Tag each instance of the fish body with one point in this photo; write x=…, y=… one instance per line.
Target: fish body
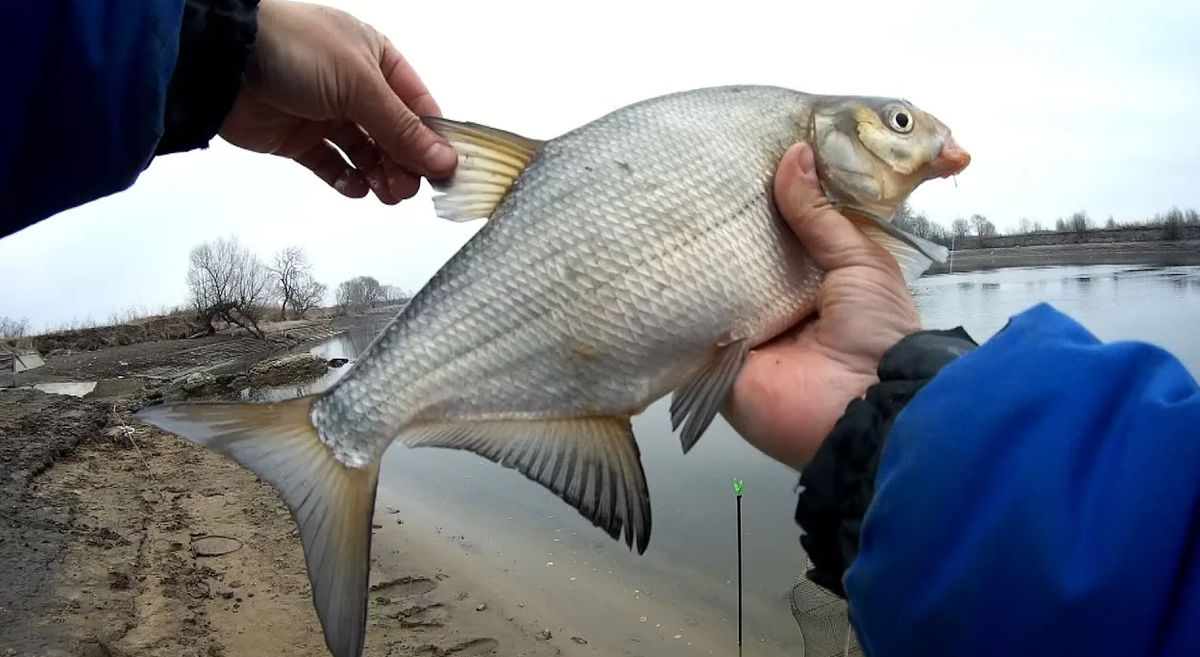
x=638, y=255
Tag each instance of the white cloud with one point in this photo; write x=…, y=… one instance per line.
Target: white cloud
x=1064, y=105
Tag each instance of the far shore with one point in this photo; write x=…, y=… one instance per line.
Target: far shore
x=1162, y=254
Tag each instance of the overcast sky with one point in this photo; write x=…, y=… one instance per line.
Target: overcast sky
x=1064, y=105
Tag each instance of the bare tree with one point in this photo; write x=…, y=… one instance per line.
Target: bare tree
x=983, y=227
x=961, y=228
x=394, y=294
x=288, y=267
x=294, y=284
x=1024, y=226
x=358, y=293
x=1079, y=222
x=228, y=282
x=309, y=294
x=1172, y=223
x=13, y=328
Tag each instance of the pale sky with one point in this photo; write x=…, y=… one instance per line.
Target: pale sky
x=1064, y=105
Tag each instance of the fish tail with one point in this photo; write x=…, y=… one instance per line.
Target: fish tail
x=332, y=503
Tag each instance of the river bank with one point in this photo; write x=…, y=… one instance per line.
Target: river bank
x=1160, y=254
x=122, y=540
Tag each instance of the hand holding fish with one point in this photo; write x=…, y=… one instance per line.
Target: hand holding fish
x=793, y=389
x=318, y=74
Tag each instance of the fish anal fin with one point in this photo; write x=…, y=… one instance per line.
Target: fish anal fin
x=331, y=503
x=703, y=396
x=489, y=163
x=914, y=254
x=592, y=463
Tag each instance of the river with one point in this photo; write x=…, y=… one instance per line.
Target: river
x=683, y=589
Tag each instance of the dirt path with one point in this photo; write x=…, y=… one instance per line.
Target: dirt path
x=119, y=540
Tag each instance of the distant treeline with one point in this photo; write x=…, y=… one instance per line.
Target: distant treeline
x=978, y=231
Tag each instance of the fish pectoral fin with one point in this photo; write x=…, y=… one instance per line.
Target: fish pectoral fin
x=489, y=163
x=704, y=395
x=592, y=463
x=332, y=503
x=914, y=254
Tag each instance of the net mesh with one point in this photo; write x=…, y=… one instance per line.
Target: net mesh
x=823, y=619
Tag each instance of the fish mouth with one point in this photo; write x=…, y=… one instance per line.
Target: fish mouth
x=951, y=160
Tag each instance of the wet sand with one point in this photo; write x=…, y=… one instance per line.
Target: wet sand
x=116, y=539
x=123, y=540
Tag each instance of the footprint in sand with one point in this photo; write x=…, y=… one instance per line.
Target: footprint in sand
x=403, y=587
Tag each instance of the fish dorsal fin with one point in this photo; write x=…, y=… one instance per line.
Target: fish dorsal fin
x=703, y=396
x=592, y=463
x=914, y=254
x=489, y=163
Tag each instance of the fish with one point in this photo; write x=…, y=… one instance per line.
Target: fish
x=638, y=255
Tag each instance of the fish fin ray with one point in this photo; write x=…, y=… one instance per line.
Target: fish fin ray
x=489, y=163
x=331, y=503
x=703, y=396
x=914, y=254
x=592, y=463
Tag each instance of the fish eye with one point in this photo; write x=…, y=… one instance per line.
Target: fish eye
x=900, y=120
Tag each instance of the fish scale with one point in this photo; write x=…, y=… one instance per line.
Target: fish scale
x=639, y=254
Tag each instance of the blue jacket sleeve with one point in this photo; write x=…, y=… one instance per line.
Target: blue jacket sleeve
x=1038, y=495
x=93, y=89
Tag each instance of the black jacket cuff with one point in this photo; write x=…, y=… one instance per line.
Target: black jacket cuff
x=839, y=484
x=214, y=47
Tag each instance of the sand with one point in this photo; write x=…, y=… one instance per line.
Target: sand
x=121, y=540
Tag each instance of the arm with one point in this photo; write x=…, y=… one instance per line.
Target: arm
x=102, y=86
x=1038, y=494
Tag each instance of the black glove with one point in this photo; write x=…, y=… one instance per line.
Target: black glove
x=839, y=484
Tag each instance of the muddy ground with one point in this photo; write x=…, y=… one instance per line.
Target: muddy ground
x=170, y=359
x=119, y=540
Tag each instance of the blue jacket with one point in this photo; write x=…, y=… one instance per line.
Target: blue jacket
x=94, y=89
x=1037, y=495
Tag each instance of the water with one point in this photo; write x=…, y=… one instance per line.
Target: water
x=685, y=585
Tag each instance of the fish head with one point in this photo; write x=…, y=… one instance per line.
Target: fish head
x=873, y=152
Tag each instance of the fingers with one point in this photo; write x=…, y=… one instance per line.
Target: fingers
x=324, y=160
x=366, y=158
x=404, y=184
x=829, y=237
x=398, y=130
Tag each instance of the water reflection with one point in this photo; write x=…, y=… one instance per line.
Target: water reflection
x=691, y=558
x=346, y=345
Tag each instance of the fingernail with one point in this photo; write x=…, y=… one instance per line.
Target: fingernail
x=440, y=157
x=807, y=161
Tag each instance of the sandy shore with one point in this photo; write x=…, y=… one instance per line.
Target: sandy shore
x=120, y=540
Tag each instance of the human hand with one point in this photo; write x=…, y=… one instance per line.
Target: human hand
x=317, y=74
x=792, y=390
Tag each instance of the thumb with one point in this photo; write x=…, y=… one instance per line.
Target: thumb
x=828, y=236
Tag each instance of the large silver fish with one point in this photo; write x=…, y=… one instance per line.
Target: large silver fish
x=635, y=256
